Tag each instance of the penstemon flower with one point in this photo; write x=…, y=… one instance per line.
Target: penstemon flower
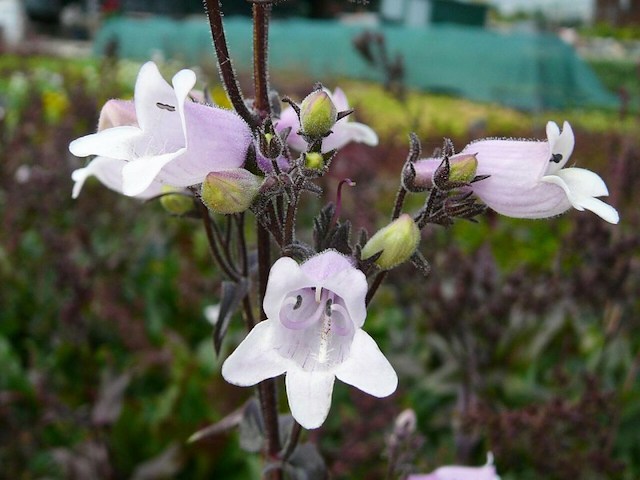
x=455, y=472
x=161, y=137
x=314, y=334
x=527, y=178
x=344, y=130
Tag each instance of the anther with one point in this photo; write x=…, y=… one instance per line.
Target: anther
x=298, y=302
x=328, y=311
x=164, y=106
x=556, y=157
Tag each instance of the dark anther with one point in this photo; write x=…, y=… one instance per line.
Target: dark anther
x=556, y=157
x=298, y=302
x=164, y=106
x=327, y=310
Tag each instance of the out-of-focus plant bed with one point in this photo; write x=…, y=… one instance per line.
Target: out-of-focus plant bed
x=523, y=340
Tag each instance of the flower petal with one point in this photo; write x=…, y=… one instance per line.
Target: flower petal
x=345, y=132
x=351, y=285
x=367, y=368
x=309, y=395
x=488, y=472
x=117, y=113
x=107, y=170
x=285, y=276
x=139, y=174
x=255, y=359
x=580, y=186
x=155, y=98
x=513, y=188
x=559, y=144
x=339, y=99
x=521, y=161
x=114, y=142
x=584, y=181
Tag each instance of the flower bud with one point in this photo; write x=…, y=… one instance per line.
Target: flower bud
x=397, y=242
x=318, y=114
x=270, y=145
x=462, y=169
x=313, y=161
x=230, y=191
x=176, y=203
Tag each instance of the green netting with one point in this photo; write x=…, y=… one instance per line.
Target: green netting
x=526, y=71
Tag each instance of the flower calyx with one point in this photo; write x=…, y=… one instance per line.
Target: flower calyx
x=270, y=143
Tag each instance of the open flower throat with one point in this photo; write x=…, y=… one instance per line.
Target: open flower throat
x=316, y=329
x=313, y=334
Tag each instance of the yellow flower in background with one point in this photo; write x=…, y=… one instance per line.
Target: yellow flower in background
x=55, y=105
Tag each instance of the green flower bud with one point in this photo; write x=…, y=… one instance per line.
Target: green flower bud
x=397, y=242
x=230, y=191
x=463, y=168
x=314, y=161
x=318, y=114
x=175, y=203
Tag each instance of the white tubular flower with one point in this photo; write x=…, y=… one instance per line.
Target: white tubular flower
x=160, y=138
x=455, y=472
x=314, y=334
x=527, y=178
x=344, y=131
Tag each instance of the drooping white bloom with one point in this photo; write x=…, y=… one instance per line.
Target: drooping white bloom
x=527, y=178
x=344, y=130
x=455, y=472
x=160, y=138
x=314, y=334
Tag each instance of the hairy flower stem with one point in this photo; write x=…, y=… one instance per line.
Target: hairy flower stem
x=225, y=66
x=261, y=13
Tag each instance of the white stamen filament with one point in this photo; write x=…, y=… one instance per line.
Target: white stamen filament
x=323, y=348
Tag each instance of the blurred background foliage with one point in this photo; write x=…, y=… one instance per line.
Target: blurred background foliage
x=523, y=341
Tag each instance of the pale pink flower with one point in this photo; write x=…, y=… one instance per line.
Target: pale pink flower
x=527, y=179
x=313, y=334
x=161, y=137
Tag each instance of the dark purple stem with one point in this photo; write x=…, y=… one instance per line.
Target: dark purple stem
x=214, y=13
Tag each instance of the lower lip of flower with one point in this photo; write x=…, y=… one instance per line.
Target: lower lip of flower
x=316, y=329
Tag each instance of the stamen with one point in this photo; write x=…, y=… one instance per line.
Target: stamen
x=556, y=157
x=305, y=315
x=323, y=349
x=164, y=106
x=327, y=310
x=344, y=325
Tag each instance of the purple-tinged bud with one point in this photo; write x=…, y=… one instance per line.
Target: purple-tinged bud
x=397, y=242
x=318, y=114
x=230, y=191
x=462, y=169
x=177, y=203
